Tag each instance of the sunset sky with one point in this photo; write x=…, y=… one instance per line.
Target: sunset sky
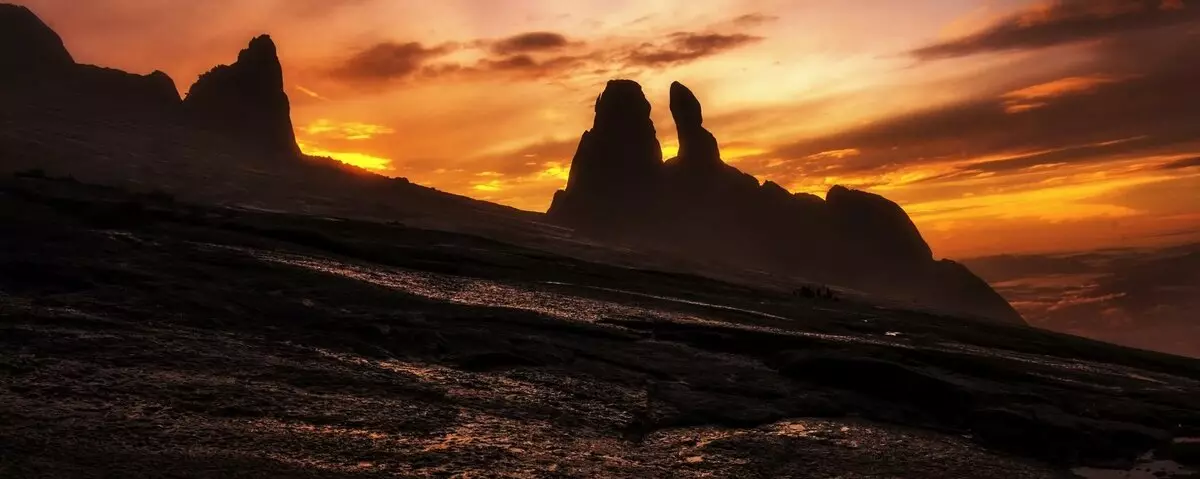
x=1002, y=126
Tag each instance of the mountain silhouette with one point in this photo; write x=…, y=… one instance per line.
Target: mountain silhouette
x=246, y=100
x=698, y=206
x=35, y=64
x=223, y=143
x=615, y=171
x=230, y=141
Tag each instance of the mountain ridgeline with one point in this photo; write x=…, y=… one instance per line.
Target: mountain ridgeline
x=244, y=101
x=230, y=140
x=697, y=206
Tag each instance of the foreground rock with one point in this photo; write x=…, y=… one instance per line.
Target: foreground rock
x=697, y=206
x=145, y=337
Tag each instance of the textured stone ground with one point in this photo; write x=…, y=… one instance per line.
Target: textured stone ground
x=140, y=337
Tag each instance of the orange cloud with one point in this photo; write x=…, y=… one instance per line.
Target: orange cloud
x=310, y=93
x=345, y=130
x=1035, y=96
x=835, y=154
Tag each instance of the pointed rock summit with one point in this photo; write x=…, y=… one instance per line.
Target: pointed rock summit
x=700, y=207
x=246, y=100
x=616, y=168
x=697, y=146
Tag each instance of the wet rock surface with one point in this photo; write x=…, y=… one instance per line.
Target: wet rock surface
x=144, y=337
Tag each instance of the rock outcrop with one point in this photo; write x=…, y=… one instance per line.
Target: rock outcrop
x=876, y=227
x=699, y=206
x=28, y=46
x=696, y=144
x=246, y=100
x=616, y=169
x=35, y=66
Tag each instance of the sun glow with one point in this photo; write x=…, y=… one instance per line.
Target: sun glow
x=361, y=160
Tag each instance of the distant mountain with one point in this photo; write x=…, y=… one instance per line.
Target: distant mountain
x=698, y=206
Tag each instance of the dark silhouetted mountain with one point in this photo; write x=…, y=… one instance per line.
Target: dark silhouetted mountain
x=28, y=45
x=877, y=227
x=246, y=100
x=702, y=208
x=229, y=142
x=35, y=63
x=223, y=142
x=615, y=170
x=696, y=144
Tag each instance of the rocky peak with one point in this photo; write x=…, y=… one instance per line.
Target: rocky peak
x=618, y=164
x=621, y=101
x=697, y=146
x=685, y=107
x=28, y=47
x=878, y=225
x=246, y=100
x=622, y=144
x=702, y=208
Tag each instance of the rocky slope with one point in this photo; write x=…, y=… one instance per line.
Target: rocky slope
x=142, y=337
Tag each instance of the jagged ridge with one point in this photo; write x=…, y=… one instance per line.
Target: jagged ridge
x=244, y=101
x=699, y=206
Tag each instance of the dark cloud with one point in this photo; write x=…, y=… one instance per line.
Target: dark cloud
x=1181, y=164
x=529, y=66
x=1146, y=105
x=1147, y=298
x=1066, y=21
x=529, y=42
x=754, y=19
x=542, y=55
x=389, y=61
x=684, y=47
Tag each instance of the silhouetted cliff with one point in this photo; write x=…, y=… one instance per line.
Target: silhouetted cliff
x=246, y=100
x=34, y=64
x=616, y=168
x=28, y=46
x=698, y=206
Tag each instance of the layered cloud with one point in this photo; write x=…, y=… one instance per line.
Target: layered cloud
x=1060, y=22
x=543, y=54
x=389, y=61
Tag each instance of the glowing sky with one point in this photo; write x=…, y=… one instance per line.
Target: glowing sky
x=1001, y=126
